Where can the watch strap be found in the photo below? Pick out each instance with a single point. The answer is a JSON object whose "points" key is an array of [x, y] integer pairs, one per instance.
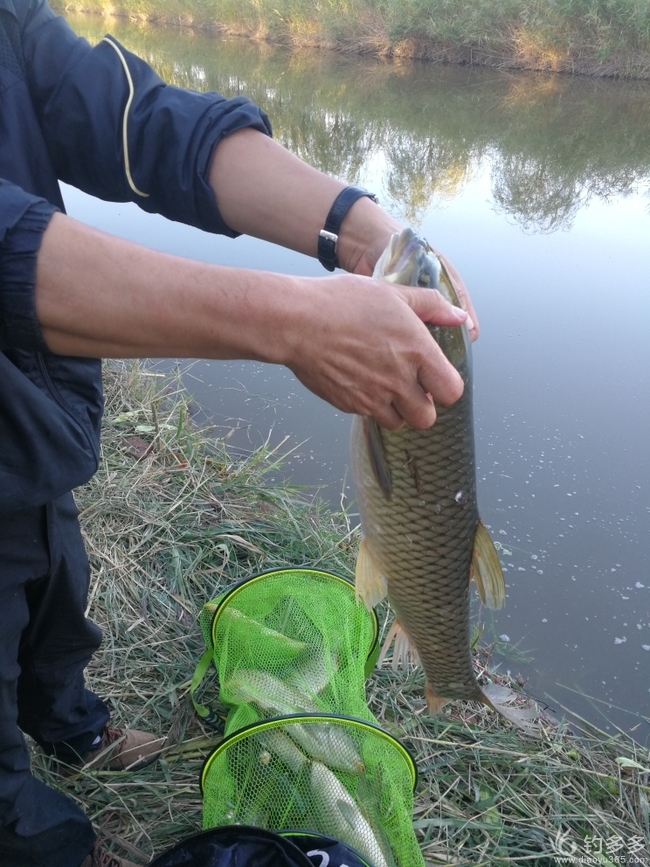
{"points": [[329, 234]]}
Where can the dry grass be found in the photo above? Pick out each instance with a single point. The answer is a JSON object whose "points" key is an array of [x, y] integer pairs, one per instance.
{"points": [[593, 37], [170, 520]]}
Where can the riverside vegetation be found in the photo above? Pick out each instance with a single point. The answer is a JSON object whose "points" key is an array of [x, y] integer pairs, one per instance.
{"points": [[595, 37], [170, 520]]}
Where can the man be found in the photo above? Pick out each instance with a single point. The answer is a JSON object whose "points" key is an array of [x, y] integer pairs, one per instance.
{"points": [[101, 119]]}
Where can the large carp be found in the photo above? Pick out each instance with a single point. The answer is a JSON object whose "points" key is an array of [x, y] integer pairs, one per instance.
{"points": [[423, 541]]}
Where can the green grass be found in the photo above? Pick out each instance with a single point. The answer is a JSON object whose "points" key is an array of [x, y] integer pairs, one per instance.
{"points": [[171, 520], [598, 37]]}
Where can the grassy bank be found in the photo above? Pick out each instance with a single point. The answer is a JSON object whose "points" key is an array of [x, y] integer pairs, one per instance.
{"points": [[170, 521], [595, 37]]}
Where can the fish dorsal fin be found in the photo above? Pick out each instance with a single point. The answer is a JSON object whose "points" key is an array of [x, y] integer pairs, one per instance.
{"points": [[369, 583], [377, 455], [486, 571]]}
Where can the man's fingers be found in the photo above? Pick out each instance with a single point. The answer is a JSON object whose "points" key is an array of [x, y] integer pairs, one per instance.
{"points": [[440, 379], [436, 375], [373, 353], [416, 409], [430, 306], [389, 417], [463, 296]]}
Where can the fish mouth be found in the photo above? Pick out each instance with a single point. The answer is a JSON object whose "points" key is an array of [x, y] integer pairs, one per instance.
{"points": [[409, 263]]}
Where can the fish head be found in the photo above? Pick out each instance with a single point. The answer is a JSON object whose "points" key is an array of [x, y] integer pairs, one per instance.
{"points": [[409, 261]]}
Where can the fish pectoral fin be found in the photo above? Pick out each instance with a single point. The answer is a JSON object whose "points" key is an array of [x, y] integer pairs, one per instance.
{"points": [[369, 583], [348, 812], [435, 703], [377, 455], [404, 650], [485, 570], [500, 699]]}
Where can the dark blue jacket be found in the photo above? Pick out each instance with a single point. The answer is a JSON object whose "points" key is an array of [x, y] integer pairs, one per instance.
{"points": [[62, 107]]}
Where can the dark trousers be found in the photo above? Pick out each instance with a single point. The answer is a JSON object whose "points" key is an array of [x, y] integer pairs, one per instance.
{"points": [[45, 644]]}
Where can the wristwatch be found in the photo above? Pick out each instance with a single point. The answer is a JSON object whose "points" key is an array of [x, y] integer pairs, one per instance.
{"points": [[329, 234]]}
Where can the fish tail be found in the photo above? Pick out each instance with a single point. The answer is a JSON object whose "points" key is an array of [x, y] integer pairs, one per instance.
{"points": [[369, 583], [500, 698]]}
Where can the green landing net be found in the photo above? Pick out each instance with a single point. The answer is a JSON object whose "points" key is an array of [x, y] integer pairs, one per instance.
{"points": [[359, 789], [302, 750], [289, 641]]}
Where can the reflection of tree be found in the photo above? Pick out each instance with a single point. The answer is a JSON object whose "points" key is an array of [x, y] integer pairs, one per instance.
{"points": [[538, 199], [422, 169], [332, 141], [544, 195], [553, 141], [616, 184]]}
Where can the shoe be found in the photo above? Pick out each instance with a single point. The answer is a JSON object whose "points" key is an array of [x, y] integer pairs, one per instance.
{"points": [[124, 750], [101, 858]]}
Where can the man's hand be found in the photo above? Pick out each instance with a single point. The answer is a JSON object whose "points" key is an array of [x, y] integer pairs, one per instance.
{"points": [[362, 345], [365, 233], [357, 342], [364, 259]]}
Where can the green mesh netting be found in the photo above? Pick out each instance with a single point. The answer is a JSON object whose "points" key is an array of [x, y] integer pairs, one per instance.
{"points": [[290, 640], [292, 649], [336, 776]]}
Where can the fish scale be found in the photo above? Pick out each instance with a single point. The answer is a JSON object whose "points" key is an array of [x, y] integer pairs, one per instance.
{"points": [[422, 538], [424, 553]]}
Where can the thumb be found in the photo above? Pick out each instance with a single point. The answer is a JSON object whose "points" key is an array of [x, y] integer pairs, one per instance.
{"points": [[430, 306]]}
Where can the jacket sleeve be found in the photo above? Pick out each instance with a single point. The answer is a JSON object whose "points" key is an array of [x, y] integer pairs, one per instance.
{"points": [[116, 130], [23, 219]]}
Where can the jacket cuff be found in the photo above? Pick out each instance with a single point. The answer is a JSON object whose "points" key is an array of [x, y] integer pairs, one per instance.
{"points": [[19, 246]]}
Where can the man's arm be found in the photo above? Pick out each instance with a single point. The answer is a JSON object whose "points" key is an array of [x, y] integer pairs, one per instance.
{"points": [[264, 190], [359, 343]]}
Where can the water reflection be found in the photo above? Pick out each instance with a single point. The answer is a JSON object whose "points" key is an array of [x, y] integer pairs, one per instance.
{"points": [[554, 142], [536, 187], [422, 169]]}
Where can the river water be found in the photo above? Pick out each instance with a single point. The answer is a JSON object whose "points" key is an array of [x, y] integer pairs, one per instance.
{"points": [[538, 189]]}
